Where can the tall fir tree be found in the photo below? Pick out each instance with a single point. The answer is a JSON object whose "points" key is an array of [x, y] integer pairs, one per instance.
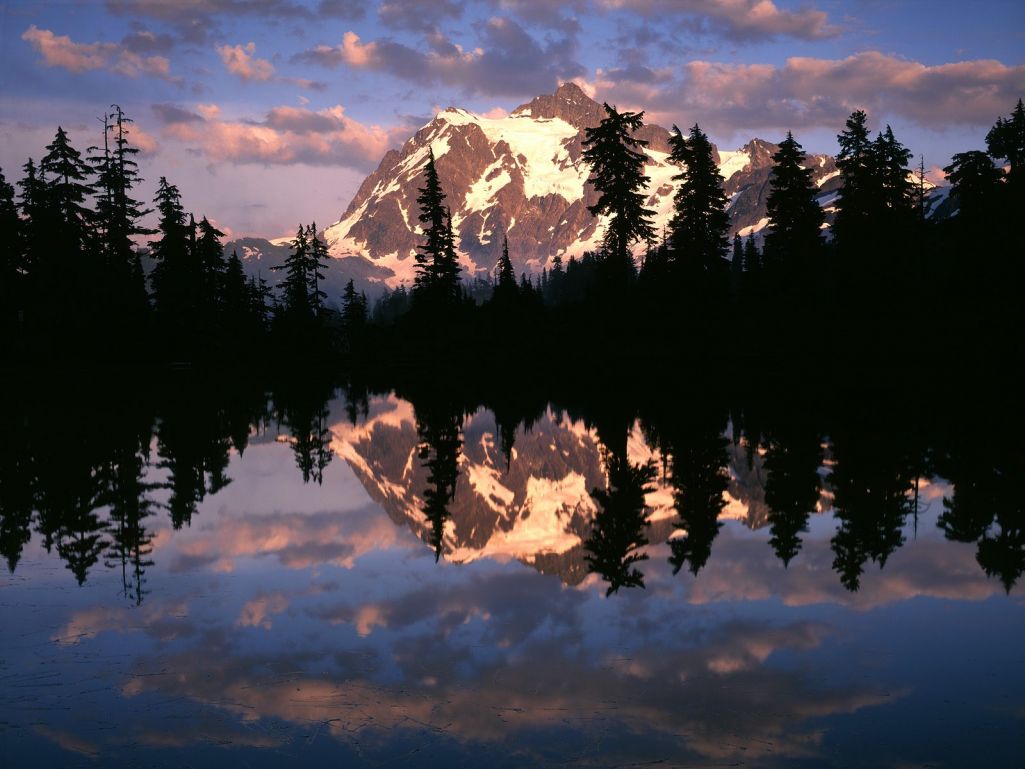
{"points": [[975, 184], [67, 178], [296, 304], [700, 221], [1006, 139], [794, 237], [117, 219], [177, 276], [317, 262], [617, 160], [505, 284], [855, 200], [11, 264], [437, 267]]}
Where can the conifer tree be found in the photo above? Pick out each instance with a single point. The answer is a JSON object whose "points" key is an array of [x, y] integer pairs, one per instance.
{"points": [[234, 296], [171, 275], [753, 274], [794, 236], [317, 261], [117, 212], [354, 308], [975, 184], [894, 190], [1006, 139], [617, 172], [700, 222], [437, 267], [210, 257], [67, 180], [296, 286], [11, 265], [855, 200], [505, 287]]}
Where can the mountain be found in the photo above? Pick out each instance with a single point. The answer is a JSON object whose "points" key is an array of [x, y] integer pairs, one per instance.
{"points": [[523, 175]]}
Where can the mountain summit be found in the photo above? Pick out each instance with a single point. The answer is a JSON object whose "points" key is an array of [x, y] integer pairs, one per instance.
{"points": [[523, 175]]}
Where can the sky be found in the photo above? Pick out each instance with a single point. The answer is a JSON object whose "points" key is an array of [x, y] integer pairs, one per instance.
{"points": [[266, 113]]}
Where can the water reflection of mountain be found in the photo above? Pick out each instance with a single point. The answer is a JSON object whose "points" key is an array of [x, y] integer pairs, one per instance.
{"points": [[532, 504]]}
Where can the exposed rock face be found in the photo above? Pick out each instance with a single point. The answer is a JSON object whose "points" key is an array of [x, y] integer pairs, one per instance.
{"points": [[523, 176]]}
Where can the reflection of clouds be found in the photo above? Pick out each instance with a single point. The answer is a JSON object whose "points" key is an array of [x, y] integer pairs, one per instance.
{"points": [[296, 540], [162, 621], [509, 603], [257, 611], [69, 742], [745, 569], [714, 689]]}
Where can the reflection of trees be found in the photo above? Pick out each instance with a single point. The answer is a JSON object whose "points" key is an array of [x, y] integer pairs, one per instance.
{"points": [[987, 506], [85, 488], [128, 498], [698, 459], [871, 480], [617, 534], [793, 456], [302, 407], [438, 431], [16, 493]]}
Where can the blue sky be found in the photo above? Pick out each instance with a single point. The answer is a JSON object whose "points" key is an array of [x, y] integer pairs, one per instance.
{"points": [[268, 112]]}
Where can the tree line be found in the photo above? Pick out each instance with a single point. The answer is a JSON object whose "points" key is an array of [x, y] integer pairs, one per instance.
{"points": [[74, 282], [82, 278]]}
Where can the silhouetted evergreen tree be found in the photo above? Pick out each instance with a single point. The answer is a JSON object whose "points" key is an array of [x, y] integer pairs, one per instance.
{"points": [[318, 256], [437, 276], [1006, 139], [123, 296], [793, 241], [855, 200], [700, 222], [177, 276], [12, 266], [617, 173], [296, 305], [975, 186], [505, 284]]}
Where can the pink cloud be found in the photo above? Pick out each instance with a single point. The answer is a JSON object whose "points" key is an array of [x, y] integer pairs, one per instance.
{"points": [[62, 52], [812, 92], [240, 60], [287, 135], [739, 19]]}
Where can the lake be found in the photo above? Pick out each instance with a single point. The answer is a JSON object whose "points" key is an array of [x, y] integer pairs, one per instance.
{"points": [[209, 574]]}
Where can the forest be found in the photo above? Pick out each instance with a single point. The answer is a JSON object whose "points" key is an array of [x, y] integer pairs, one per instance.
{"points": [[82, 280]]}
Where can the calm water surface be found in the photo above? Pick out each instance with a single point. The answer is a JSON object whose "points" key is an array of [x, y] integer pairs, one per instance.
{"points": [[378, 583]]}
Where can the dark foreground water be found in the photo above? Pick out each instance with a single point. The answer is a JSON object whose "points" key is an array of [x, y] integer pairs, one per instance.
{"points": [[375, 583]]}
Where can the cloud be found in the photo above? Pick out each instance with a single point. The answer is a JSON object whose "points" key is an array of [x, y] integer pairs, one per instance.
{"points": [[62, 52], [422, 15], [811, 92], [183, 10], [240, 60], [544, 13], [736, 19], [508, 61]]}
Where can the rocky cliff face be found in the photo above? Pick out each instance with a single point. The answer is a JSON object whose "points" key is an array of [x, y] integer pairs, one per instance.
{"points": [[523, 176]]}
